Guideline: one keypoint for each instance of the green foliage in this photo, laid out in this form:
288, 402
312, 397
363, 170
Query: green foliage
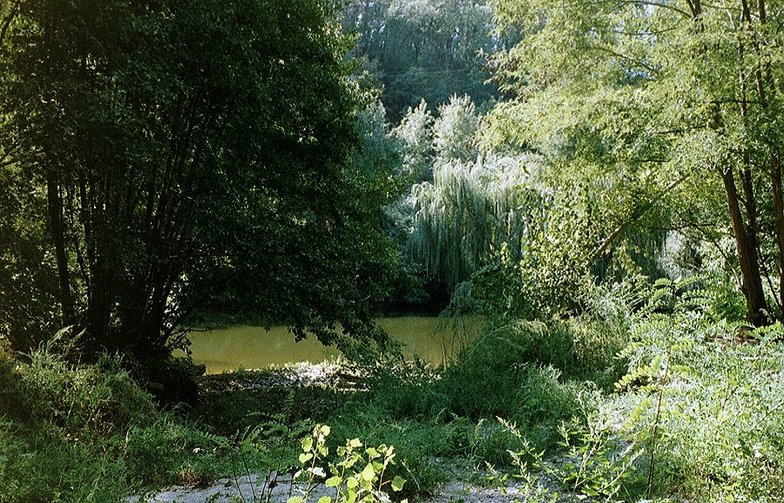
454, 131
694, 416
508, 384
597, 463
87, 433
513, 371
469, 212
147, 170
356, 475
99, 400
664, 113
424, 49
594, 463
163, 452
61, 429
418, 441
415, 133
725, 301
501, 221
48, 466
27, 279
489, 442
701, 399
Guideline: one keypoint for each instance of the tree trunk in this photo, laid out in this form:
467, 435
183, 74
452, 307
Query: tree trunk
766, 87
55, 207
778, 209
745, 240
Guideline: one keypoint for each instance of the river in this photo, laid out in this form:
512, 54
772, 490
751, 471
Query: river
249, 347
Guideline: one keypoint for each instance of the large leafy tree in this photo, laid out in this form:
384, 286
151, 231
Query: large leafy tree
178, 154
657, 96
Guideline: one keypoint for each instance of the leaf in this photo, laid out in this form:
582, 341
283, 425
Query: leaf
325, 499
351, 483
351, 461
296, 499
307, 444
333, 481
397, 483
355, 442
368, 473
305, 457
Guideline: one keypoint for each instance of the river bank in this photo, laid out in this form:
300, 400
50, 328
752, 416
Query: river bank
461, 479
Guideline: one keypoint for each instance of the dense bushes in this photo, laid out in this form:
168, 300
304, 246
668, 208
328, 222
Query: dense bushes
92, 400
705, 400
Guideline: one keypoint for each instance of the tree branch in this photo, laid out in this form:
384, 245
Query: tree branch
7, 22
636, 216
649, 3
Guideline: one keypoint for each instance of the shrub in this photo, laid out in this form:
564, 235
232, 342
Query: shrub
417, 442
704, 399
512, 372
356, 474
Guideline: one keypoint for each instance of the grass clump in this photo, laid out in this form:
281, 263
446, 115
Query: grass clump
440, 418
81, 433
61, 427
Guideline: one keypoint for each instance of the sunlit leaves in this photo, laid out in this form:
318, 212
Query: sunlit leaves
348, 483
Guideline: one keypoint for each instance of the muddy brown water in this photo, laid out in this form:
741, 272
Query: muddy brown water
249, 347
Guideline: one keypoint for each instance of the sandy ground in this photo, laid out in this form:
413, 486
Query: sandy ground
254, 489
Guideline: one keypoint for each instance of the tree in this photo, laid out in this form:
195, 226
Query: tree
189, 155
662, 91
454, 132
425, 49
414, 132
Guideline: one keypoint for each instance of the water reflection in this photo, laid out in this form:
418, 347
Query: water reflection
250, 347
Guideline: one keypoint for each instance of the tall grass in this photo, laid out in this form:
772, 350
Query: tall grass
83, 433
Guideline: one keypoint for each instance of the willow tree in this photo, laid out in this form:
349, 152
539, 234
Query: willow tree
666, 92
188, 154
494, 214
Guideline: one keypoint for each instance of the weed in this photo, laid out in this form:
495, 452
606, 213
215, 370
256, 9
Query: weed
357, 475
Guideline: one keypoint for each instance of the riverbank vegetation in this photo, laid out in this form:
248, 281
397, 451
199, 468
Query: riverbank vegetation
592, 189
660, 402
